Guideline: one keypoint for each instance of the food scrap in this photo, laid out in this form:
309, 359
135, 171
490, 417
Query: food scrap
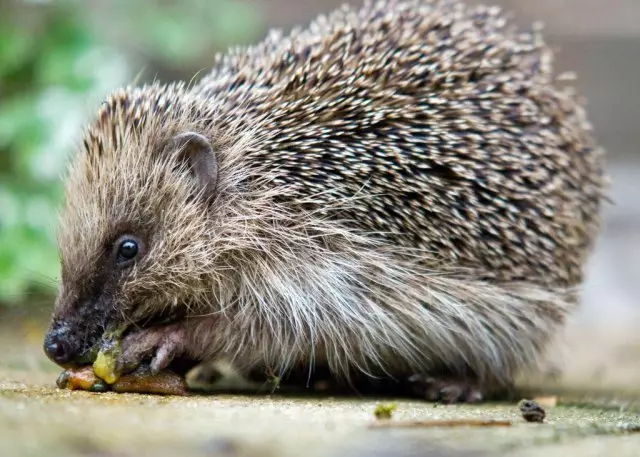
140, 381
531, 411
383, 411
102, 375
104, 366
105, 363
81, 379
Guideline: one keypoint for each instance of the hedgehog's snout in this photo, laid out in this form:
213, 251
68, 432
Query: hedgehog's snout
58, 349
62, 345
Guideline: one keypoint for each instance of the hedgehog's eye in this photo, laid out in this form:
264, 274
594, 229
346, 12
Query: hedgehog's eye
128, 248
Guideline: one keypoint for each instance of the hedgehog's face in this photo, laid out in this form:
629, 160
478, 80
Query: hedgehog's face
131, 240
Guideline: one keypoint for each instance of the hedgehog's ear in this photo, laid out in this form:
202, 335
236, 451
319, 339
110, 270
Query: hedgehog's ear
196, 151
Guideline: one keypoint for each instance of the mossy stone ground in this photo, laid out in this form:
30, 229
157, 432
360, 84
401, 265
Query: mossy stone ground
38, 419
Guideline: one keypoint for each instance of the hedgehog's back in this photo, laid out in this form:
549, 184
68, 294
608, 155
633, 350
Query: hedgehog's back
441, 119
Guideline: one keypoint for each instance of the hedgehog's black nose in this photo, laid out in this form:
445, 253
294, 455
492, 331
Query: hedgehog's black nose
58, 348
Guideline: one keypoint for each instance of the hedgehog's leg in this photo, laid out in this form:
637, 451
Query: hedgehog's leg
161, 344
446, 389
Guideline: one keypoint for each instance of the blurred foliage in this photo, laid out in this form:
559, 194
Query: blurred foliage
177, 32
58, 59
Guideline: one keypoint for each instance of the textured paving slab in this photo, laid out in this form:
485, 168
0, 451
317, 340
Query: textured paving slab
38, 419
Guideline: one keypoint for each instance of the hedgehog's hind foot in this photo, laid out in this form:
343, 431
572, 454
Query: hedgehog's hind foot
446, 389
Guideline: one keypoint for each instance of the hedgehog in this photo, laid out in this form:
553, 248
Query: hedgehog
402, 192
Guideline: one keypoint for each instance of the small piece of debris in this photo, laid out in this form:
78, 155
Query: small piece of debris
384, 411
442, 423
531, 411
273, 380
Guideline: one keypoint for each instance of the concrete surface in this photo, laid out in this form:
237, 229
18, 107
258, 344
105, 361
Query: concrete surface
38, 419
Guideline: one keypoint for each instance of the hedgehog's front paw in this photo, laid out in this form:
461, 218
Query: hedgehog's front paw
446, 390
160, 344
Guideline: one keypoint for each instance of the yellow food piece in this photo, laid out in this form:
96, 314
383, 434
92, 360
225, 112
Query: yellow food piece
384, 411
105, 367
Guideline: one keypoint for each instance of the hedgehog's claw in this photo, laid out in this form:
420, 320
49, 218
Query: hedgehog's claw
161, 344
446, 390
163, 357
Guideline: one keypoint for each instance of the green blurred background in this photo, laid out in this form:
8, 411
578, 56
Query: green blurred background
58, 59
